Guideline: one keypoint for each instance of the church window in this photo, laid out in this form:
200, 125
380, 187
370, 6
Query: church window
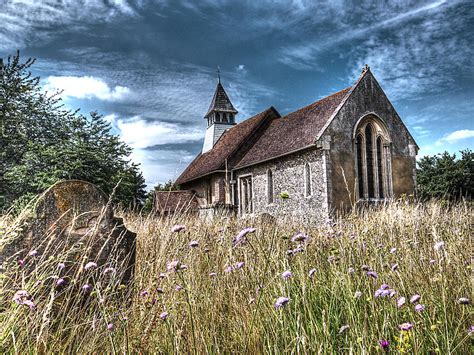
307, 179
372, 159
246, 194
270, 186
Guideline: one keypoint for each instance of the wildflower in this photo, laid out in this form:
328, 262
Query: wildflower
393, 250
299, 248
281, 302
471, 329
173, 265
164, 315
394, 267
419, 307
178, 228
401, 301
61, 266
20, 296
33, 253
90, 265
311, 272
162, 275
212, 274
29, 303
343, 328
286, 275
463, 300
405, 326
432, 261
351, 270
144, 293
60, 282
178, 288
21, 262
109, 270
392, 293
384, 344
229, 269
86, 288
357, 294
110, 326
239, 265
415, 298
372, 274
194, 244
159, 290
241, 237
383, 286
438, 246
299, 237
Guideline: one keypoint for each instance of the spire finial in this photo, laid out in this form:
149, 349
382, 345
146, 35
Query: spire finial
218, 74
365, 68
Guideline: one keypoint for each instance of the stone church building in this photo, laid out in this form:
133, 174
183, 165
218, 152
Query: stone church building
349, 147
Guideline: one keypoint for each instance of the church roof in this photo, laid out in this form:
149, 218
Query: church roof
294, 131
220, 101
226, 147
172, 201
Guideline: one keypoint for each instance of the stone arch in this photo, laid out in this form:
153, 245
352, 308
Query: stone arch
372, 150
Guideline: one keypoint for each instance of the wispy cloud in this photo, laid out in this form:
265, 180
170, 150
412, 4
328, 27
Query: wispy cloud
85, 87
455, 136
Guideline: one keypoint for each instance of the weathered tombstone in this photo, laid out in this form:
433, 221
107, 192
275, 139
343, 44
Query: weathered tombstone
75, 217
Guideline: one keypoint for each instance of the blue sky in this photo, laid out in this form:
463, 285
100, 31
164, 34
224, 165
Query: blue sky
150, 66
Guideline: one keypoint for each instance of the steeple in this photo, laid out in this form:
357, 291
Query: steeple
220, 115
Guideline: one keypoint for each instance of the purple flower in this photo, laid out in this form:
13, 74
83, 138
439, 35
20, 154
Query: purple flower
463, 300
229, 269
378, 293
90, 265
20, 296
178, 228
281, 302
286, 275
110, 326
471, 329
415, 298
61, 266
109, 270
178, 288
343, 328
173, 265
239, 265
438, 246
405, 326
33, 253
241, 237
29, 303
60, 282
392, 293
401, 301
372, 274
384, 344
419, 307
86, 288
394, 267
159, 290
311, 272
144, 293
299, 237
164, 315
194, 244
393, 250
21, 262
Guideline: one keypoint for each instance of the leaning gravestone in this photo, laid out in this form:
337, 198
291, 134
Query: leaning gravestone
74, 218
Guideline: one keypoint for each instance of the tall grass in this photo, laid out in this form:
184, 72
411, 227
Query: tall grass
235, 311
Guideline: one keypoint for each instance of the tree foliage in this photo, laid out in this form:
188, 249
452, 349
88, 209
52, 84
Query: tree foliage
444, 176
41, 143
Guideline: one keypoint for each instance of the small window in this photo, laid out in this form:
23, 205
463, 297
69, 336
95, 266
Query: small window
307, 177
269, 186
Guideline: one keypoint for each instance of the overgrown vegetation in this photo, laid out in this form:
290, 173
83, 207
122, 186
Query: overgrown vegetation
41, 143
199, 289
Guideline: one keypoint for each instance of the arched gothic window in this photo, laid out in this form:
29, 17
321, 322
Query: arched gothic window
269, 186
373, 159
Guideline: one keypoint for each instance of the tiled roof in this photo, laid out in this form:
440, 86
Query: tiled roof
225, 147
220, 101
173, 201
294, 131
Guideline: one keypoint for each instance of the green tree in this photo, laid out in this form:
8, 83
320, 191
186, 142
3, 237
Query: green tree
42, 143
444, 176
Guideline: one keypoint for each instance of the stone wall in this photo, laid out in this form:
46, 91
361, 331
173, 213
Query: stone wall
289, 176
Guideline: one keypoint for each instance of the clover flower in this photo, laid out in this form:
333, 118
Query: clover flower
311, 272
415, 298
241, 237
164, 315
178, 228
419, 307
384, 344
343, 328
281, 302
286, 275
405, 326
299, 237
90, 265
194, 244
401, 302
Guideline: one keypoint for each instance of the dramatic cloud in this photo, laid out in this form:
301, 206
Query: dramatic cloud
85, 87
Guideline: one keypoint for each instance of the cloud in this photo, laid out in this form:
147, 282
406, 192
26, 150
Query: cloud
455, 136
85, 87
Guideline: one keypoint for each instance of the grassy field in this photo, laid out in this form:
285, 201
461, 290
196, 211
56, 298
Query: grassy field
336, 289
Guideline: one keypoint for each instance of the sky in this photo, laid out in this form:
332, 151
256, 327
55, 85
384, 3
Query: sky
150, 66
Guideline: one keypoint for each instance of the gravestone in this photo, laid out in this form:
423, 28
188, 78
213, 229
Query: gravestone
75, 217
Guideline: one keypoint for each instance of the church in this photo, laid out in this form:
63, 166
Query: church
347, 148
